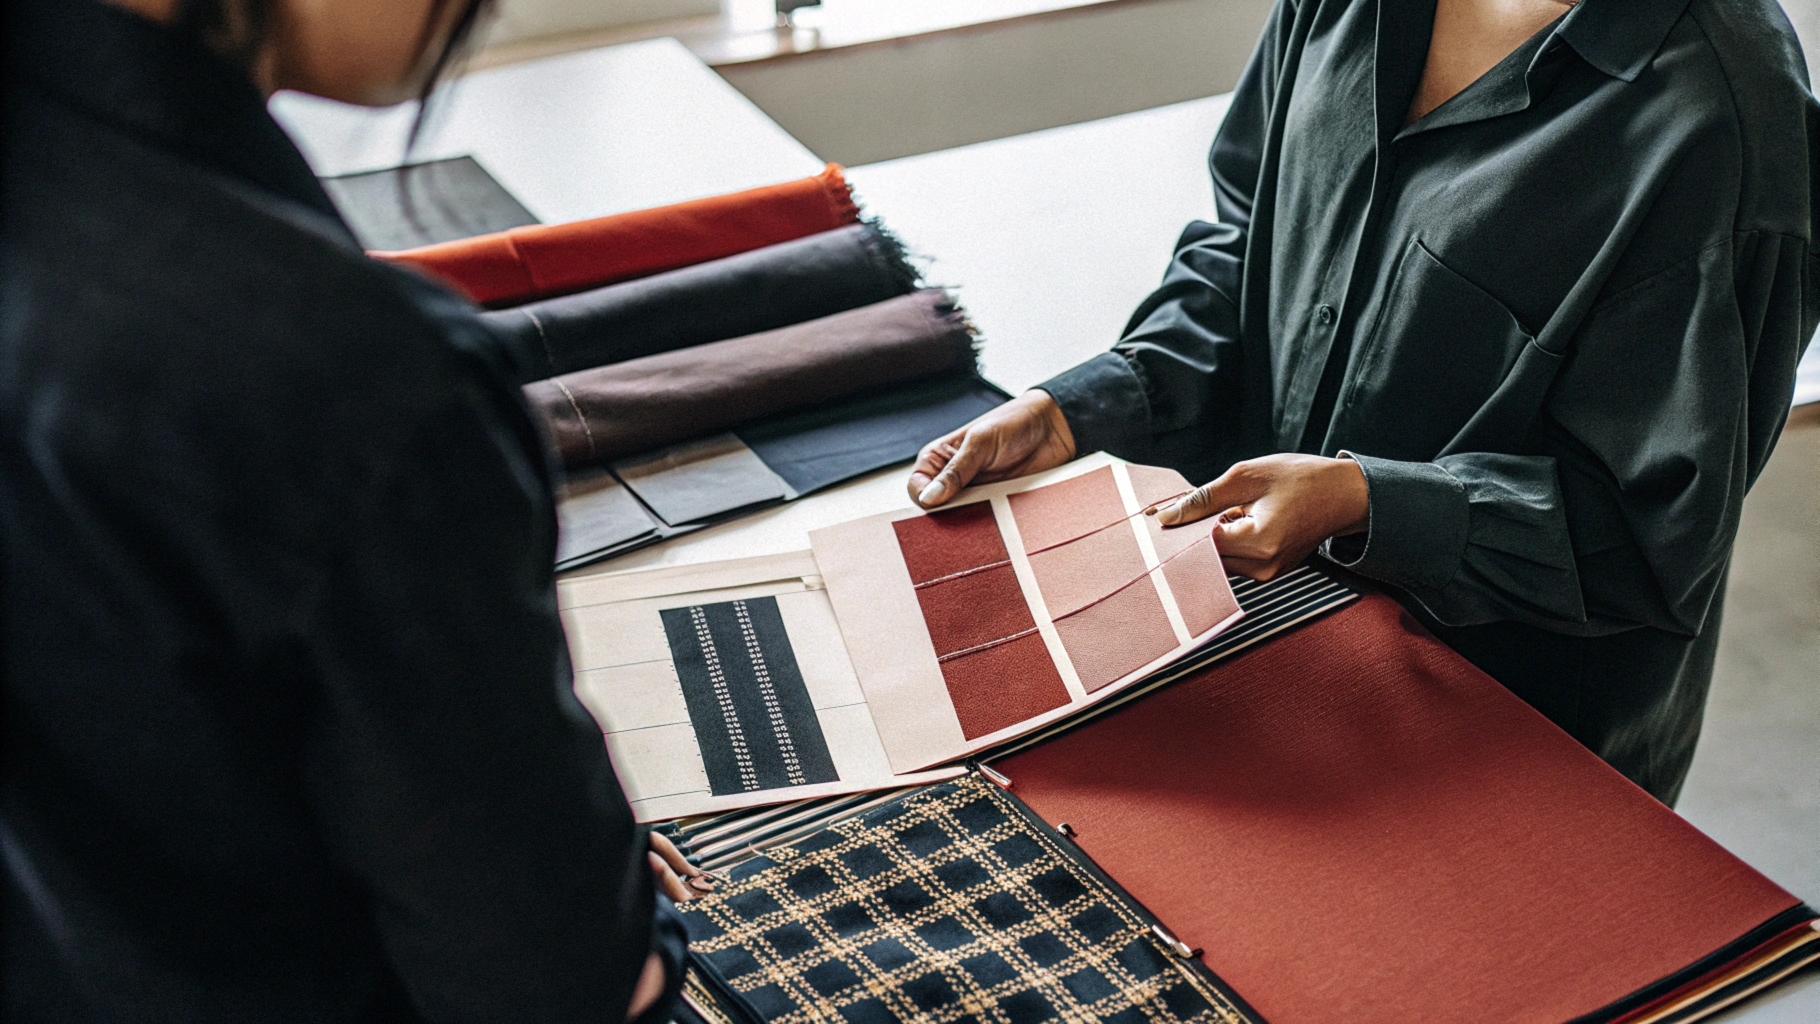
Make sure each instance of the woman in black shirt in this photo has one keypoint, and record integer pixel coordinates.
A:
(1503, 310)
(289, 726)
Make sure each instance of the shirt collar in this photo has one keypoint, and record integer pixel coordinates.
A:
(168, 90)
(1620, 37)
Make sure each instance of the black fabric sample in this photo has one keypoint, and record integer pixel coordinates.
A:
(596, 514)
(762, 290)
(822, 447)
(697, 481)
(281, 665)
(953, 904)
(422, 204)
(751, 711)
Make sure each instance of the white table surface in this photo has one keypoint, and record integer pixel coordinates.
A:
(581, 135)
(1050, 238)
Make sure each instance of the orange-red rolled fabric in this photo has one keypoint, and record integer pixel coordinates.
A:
(536, 262)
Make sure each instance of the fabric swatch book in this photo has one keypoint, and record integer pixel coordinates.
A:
(1019, 603)
(762, 680)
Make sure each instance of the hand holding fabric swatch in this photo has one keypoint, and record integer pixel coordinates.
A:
(1021, 603)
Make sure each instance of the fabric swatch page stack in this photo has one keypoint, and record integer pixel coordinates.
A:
(702, 360)
(762, 680)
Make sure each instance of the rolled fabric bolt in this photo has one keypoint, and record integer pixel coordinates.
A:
(542, 260)
(761, 290)
(612, 411)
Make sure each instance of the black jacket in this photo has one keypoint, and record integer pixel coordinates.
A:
(1556, 320)
(289, 726)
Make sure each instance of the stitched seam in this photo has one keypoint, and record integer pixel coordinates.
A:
(951, 655)
(548, 352)
(586, 431)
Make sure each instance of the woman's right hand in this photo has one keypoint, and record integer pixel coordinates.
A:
(1025, 435)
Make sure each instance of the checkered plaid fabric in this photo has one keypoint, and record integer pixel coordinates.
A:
(951, 905)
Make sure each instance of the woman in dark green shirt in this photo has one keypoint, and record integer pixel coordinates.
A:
(1503, 310)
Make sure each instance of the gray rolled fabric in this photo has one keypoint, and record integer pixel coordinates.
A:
(726, 298)
(633, 406)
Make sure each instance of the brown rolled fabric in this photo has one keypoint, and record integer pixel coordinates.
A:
(640, 404)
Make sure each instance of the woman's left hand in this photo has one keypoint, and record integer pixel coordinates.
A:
(1273, 511)
(679, 879)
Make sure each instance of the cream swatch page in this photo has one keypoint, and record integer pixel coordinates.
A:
(1019, 603)
(724, 685)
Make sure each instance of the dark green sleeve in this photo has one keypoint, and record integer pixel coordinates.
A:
(1661, 418)
(1176, 369)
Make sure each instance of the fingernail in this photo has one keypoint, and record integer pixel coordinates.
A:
(1169, 515)
(701, 883)
(931, 494)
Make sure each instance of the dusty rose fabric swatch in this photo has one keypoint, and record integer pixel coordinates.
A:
(1118, 635)
(1193, 571)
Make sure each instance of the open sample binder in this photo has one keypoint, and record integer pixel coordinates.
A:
(702, 360)
(1350, 823)
(761, 680)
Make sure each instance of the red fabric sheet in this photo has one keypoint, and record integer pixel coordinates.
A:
(536, 262)
(1357, 825)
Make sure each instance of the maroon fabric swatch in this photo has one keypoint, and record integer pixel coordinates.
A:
(950, 541)
(975, 609)
(1003, 685)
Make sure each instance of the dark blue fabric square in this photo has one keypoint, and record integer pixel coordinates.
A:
(868, 1011)
(770, 1001)
(1184, 1001)
(923, 838)
(1017, 851)
(1058, 887)
(1088, 985)
(829, 978)
(753, 904)
(847, 920)
(944, 933)
(1096, 922)
(734, 962)
(979, 817)
(1044, 948)
(819, 841)
(700, 927)
(989, 969)
(1142, 959)
(1026, 1007)
(790, 940)
(906, 898)
(1002, 910)
(741, 872)
(811, 882)
(1129, 1015)
(866, 861)
(929, 992)
(961, 875)
(888, 954)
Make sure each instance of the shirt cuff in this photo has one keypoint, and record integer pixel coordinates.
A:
(1416, 527)
(1104, 402)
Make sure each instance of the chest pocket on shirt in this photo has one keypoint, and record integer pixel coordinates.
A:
(1436, 351)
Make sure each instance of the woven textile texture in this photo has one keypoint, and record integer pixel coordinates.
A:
(951, 905)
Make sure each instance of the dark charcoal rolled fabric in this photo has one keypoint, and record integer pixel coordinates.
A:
(754, 291)
(639, 404)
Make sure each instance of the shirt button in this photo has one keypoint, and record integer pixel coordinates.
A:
(1324, 314)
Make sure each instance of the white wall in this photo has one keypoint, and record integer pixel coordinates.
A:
(517, 20)
(878, 101)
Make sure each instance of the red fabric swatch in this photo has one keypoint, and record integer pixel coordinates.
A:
(1003, 685)
(975, 609)
(1358, 825)
(536, 262)
(951, 540)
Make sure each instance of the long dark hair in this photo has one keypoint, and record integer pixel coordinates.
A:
(236, 29)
